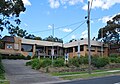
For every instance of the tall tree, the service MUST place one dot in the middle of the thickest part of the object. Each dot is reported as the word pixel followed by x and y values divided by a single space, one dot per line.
pixel 17 32
pixel 111 32
pixel 9 12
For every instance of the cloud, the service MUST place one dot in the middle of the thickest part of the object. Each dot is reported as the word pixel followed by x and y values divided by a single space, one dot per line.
pixel 57 3
pixel 25 24
pixel 49 27
pixel 26 2
pixel 84 34
pixel 103 4
pixel 107 18
pixel 67 30
pixel 73 36
pixel 54 3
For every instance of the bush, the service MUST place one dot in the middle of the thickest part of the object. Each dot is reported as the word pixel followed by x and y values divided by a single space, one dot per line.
pixel 27 58
pixel 100 61
pixel 29 63
pixel 46 62
pixel 35 64
pixel 74 61
pixel 114 55
pixel 58 62
pixel 83 60
pixel 114 59
pixel 1 66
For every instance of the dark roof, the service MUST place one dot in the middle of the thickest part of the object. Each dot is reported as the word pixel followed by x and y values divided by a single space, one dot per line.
pixel 8 39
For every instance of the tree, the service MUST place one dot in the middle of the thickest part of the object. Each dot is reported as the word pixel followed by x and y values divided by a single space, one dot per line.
pixel 50 38
pixel 37 38
pixel 72 40
pixel 111 32
pixel 17 32
pixel 9 12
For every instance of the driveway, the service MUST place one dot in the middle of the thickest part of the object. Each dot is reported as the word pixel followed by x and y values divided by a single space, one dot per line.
pixel 18 73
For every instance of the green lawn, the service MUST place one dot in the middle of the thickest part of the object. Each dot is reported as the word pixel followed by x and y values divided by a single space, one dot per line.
pixel 85 76
pixel 73 73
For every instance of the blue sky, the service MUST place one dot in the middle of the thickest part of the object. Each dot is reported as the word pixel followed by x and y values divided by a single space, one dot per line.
pixel 41 14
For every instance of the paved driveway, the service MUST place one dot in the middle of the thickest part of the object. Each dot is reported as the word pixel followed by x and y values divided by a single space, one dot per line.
pixel 18 73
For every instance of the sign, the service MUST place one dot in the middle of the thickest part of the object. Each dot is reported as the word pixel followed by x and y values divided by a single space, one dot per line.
pixel 66 56
pixel 52 52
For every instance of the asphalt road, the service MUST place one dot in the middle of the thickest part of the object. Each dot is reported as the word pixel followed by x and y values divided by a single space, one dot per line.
pixel 18 73
pixel 102 80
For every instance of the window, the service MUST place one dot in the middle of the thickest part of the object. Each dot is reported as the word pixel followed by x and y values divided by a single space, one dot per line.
pixel 27 48
pixel 9 46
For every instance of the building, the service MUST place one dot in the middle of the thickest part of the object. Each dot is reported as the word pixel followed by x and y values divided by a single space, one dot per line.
pixel 97 48
pixel 17 46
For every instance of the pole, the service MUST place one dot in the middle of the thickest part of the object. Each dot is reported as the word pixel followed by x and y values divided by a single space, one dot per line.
pixel 79 49
pixel 52 42
pixel 89 45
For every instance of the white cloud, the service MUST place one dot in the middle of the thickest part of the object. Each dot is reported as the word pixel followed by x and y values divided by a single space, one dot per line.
pixel 107 18
pixel 84 34
pixel 26 2
pixel 73 36
pixel 49 27
pixel 67 30
pixel 25 24
pixel 104 4
pixel 54 3
pixel 57 3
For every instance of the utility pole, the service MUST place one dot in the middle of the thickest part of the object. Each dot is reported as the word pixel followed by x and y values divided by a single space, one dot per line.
pixel 89 45
pixel 79 48
pixel 52 42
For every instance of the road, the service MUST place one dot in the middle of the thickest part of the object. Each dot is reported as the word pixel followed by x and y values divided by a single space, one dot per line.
pixel 102 80
pixel 18 73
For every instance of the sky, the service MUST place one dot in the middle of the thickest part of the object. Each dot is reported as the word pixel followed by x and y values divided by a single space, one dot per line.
pixel 67 16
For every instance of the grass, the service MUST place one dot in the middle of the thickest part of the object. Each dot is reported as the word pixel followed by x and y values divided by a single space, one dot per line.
pixel 85 76
pixel 74 73
pixel 2 77
pixel 4 82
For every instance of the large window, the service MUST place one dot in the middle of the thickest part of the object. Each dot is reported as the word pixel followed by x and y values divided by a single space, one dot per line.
pixel 27 48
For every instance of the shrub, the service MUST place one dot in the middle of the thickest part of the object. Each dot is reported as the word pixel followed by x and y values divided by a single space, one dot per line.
pixel 74 61
pixel 46 62
pixel 27 58
pixel 29 63
pixel 83 60
pixel 100 61
pixel 114 59
pixel 58 62
pixel 114 55
pixel 35 64
pixel 1 66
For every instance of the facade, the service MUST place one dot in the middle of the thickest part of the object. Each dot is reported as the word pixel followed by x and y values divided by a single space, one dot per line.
pixel 16 46
pixel 97 48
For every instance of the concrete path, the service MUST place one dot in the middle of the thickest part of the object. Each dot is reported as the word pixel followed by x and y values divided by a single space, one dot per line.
pixel 18 73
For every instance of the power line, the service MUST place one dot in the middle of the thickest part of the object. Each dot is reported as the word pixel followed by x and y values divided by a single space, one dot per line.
pixel 58 27
pixel 74 30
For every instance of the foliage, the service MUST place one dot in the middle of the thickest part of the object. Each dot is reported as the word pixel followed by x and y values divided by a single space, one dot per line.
pixel 46 62
pixel 100 61
pixel 10 11
pixel 35 64
pixel 1 66
pixel 74 61
pixel 110 33
pixel 58 62
pixel 50 38
pixel 72 40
